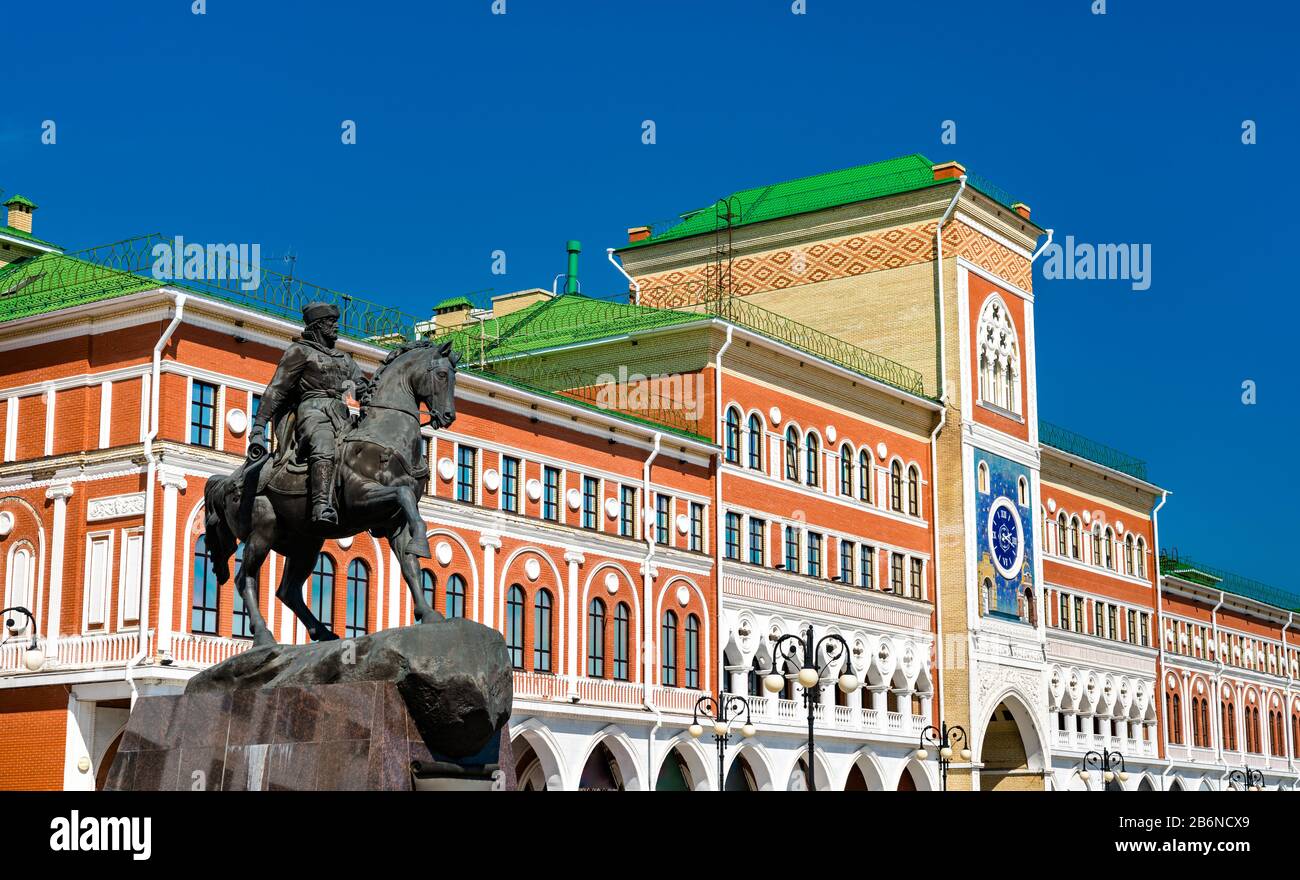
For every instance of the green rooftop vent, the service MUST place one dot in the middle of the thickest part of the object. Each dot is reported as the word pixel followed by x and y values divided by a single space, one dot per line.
pixel 571 274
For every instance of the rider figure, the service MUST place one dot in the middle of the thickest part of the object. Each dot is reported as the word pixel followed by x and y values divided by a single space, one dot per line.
pixel 310 380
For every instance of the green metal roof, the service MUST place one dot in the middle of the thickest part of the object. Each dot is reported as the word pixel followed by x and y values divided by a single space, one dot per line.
pixel 50 282
pixel 454 302
pixel 1171 563
pixel 18 233
pixel 21 200
pixel 806 194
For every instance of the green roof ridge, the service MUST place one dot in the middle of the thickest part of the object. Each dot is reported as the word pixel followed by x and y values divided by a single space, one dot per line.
pixel 21 200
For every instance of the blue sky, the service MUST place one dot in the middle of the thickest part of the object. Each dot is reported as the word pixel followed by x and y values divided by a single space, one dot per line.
pixel 478 132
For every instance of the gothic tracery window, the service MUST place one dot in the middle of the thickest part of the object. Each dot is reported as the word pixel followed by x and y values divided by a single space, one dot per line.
pixel 999 357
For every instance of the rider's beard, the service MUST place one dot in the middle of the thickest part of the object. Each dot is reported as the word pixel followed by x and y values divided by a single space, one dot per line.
pixel 319 334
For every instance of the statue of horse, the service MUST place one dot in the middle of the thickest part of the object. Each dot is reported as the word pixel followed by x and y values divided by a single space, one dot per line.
pixel 380 476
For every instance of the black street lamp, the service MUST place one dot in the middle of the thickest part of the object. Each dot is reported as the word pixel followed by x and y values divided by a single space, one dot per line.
pixel 33 657
pixel 721 713
pixel 1106 761
pixel 1250 779
pixel 944 737
pixel 810 677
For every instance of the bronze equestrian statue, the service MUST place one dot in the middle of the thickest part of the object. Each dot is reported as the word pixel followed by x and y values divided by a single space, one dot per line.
pixel 332 476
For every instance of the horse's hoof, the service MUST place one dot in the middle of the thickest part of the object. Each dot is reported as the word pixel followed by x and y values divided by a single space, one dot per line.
pixel 264 640
pixel 433 616
pixel 326 635
pixel 419 546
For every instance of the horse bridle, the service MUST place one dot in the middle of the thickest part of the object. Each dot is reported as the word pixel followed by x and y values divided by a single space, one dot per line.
pixel 415 414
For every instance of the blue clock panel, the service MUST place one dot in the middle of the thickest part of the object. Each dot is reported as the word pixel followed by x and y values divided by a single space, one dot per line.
pixel 1003 535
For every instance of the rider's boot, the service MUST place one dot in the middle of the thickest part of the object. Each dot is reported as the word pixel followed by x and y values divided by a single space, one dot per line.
pixel 322 480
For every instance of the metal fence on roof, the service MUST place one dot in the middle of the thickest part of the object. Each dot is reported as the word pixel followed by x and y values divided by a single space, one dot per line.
pixel 1172 562
pixel 1076 444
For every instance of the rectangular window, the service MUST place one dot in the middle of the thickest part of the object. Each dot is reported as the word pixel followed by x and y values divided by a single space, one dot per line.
pixel 1112 621
pixel 663 518
pixel 733 536
pixel 203 413
pixel 697 527
pixel 791 549
pixel 98 551
pixel 1079 619
pixel 466 469
pixel 916 586
pixel 757 539
pixel 551 493
pixel 1098 619
pixel 1143 630
pixel 846 561
pixel 1131 622
pixel 896 573
pixel 132 569
pixel 510 484
pixel 814 554
pixel 627 511
pixel 590 503
pixel 867 567
pixel 692 651
pixel 1064 622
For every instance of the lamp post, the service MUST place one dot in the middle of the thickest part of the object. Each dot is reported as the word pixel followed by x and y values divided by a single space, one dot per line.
pixel 34 657
pixel 1106 761
pixel 1250 779
pixel 943 737
pixel 721 712
pixel 810 677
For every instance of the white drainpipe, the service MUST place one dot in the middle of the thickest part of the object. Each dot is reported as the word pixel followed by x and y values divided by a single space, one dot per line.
pixel 1286 707
pixel 1159 695
pixel 1218 685
pixel 720 413
pixel 636 297
pixel 150 473
pixel 647 642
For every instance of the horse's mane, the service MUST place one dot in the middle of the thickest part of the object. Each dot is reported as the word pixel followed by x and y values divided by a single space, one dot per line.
pixel 402 349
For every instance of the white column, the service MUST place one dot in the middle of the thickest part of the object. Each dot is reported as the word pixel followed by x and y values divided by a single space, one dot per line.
pixel 173 482
pixel 49 421
pixel 105 413
pixel 78 744
pixel 490 544
pixel 574 559
pixel 59 494
pixel 11 429
pixel 739 678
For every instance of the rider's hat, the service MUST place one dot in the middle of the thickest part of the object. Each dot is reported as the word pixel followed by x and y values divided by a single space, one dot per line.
pixel 317 310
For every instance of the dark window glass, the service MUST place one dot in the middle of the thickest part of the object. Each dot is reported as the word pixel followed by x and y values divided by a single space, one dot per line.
pixel 915 584
pixel 358 599
pixel 622 622
pixel 466 466
pixel 203 413
pixel 812 467
pixel 732 538
pixel 627 512
pixel 913 491
pixel 814 554
pixel 542 631
pixel 692 651
pixel 757 540
pixel 590 502
pixel 896 487
pixel 791 549
pixel 596 639
pixel 203 611
pixel 731 436
pixel 668 649
pixel 846 470
pixel 515 626
pixel 864 476
pixel 846 561
pixel 867 567
pixel 755 443
pixel 428 586
pixel 455 596
pixel 241 622
pixel 322 590
pixel 792 454
pixel 551 493
pixel 697 527
pixel 896 573
pixel 663 517
pixel 510 484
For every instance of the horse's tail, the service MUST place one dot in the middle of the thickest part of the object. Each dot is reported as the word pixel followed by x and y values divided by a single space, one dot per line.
pixel 218 537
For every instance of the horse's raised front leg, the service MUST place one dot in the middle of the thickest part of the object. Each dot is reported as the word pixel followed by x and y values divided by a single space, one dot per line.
pixel 410 566
pixel 250 567
pixel 297 568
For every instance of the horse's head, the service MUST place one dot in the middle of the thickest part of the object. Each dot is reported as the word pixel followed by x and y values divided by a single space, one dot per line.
pixel 438 390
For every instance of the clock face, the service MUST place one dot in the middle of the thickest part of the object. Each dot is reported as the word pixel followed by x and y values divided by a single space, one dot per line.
pixel 1006 538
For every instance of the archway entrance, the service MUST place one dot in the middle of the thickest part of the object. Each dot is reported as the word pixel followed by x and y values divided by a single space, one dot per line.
pixel 529 774
pixel 1010 751
pixel 741 776
pixel 907 782
pixel 1145 784
pixel 601 772
pixel 674 774
pixel 856 781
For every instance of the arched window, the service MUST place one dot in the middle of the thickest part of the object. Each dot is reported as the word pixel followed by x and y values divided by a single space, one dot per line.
pixel 913 491
pixel 1141 551
pixel 692 679
pixel 812 475
pixel 1108 549
pixel 203 610
pixel 864 475
pixel 455 596
pixel 241 622
pixel 1062 534
pixel 999 357
pixel 428 586
pixel 792 454
pixel 896 487
pixel 754 443
pixel 1229 726
pixel 1175 719
pixel 987 587
pixel 1205 722
pixel 358 600
pixel 846 470
pixel 668 649
pixel 515 625
pixel 1031 608
pixel 542 631
pixel 1128 554
pixel 622 625
pixel 1022 492
pixel 322 590
pixel 982 477
pixel 1075 550
pixel 731 436
pixel 18 578
pixel 596 639
pixel 1096 544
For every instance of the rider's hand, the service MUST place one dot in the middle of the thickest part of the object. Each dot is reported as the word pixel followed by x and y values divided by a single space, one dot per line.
pixel 256 446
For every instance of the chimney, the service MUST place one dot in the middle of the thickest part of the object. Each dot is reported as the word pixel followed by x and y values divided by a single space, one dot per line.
pixel 509 303
pixel 948 170
pixel 451 313
pixel 20 213
pixel 638 233
pixel 1022 209
pixel 571 275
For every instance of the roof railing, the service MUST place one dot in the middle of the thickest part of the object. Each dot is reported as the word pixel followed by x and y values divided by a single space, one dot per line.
pixel 1066 440
pixel 1173 563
